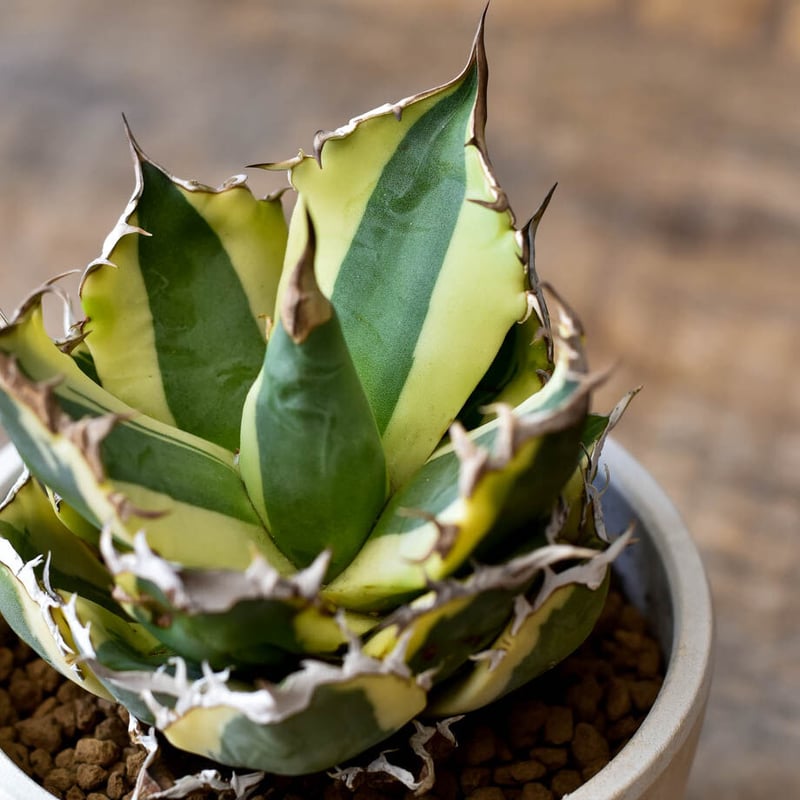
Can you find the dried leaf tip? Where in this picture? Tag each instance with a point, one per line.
(304, 307)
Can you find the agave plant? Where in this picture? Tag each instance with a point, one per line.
(285, 479)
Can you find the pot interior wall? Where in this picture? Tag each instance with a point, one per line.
(641, 571)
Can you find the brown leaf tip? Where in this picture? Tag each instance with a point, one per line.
(304, 307)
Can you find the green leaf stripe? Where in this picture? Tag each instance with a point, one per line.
(311, 740)
(404, 551)
(205, 335)
(288, 728)
(139, 452)
(409, 219)
(418, 252)
(29, 523)
(206, 517)
(315, 465)
(198, 268)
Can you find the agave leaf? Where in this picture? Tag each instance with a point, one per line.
(37, 557)
(107, 639)
(198, 269)
(418, 254)
(545, 629)
(268, 634)
(557, 628)
(74, 589)
(289, 728)
(115, 466)
(482, 486)
(222, 617)
(75, 346)
(30, 525)
(524, 361)
(311, 455)
(458, 618)
(583, 518)
(521, 368)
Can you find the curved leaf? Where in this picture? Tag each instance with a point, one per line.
(311, 456)
(198, 269)
(546, 637)
(37, 557)
(115, 466)
(290, 728)
(482, 486)
(250, 618)
(457, 619)
(547, 626)
(418, 254)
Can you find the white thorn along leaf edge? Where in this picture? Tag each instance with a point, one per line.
(191, 185)
(208, 590)
(343, 131)
(516, 572)
(522, 610)
(86, 434)
(595, 496)
(150, 744)
(69, 319)
(567, 325)
(590, 573)
(504, 443)
(123, 227)
(475, 460)
(514, 429)
(417, 741)
(494, 655)
(558, 519)
(48, 287)
(593, 493)
(396, 109)
(270, 703)
(357, 662)
(446, 534)
(44, 597)
(81, 633)
(143, 563)
(21, 480)
(241, 785)
(613, 418)
(533, 305)
(472, 459)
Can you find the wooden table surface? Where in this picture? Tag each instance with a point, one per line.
(673, 129)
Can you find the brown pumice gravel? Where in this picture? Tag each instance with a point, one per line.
(539, 743)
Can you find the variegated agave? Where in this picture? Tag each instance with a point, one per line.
(289, 480)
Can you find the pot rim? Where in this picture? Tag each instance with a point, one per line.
(680, 705)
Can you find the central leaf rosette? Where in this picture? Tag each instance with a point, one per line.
(285, 476)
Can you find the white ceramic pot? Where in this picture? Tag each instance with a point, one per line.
(663, 575)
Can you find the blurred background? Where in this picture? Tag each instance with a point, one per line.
(673, 129)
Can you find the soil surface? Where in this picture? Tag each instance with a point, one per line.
(539, 743)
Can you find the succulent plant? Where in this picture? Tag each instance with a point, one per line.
(285, 480)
